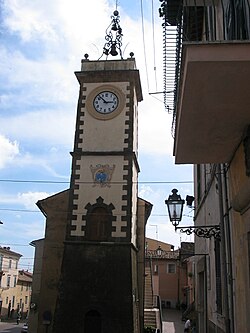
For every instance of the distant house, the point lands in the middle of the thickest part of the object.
(23, 291)
(15, 285)
(169, 271)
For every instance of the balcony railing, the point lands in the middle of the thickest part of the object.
(153, 254)
(197, 21)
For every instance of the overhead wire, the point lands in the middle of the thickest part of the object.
(90, 182)
(144, 44)
(75, 213)
(153, 35)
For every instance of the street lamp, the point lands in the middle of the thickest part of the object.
(175, 208)
(159, 251)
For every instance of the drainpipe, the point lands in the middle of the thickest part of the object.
(223, 250)
(229, 249)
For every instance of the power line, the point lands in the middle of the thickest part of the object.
(153, 31)
(20, 210)
(81, 182)
(144, 45)
(33, 181)
(8, 244)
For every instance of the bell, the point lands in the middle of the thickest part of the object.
(113, 51)
(106, 51)
(114, 27)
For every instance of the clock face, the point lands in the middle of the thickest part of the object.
(105, 102)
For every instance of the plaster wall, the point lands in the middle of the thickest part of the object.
(240, 193)
(56, 208)
(134, 205)
(87, 191)
(104, 135)
(208, 213)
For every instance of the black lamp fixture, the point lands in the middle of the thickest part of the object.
(159, 251)
(175, 209)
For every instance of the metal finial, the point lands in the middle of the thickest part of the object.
(86, 56)
(131, 54)
(113, 37)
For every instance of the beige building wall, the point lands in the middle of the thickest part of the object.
(36, 284)
(235, 266)
(23, 292)
(50, 250)
(169, 273)
(240, 194)
(15, 288)
(207, 213)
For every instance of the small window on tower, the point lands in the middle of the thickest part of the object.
(98, 225)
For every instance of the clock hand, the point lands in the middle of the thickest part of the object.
(103, 99)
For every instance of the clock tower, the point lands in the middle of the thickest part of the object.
(101, 280)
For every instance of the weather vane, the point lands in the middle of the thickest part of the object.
(113, 36)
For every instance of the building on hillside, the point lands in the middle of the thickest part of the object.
(15, 285)
(211, 118)
(169, 272)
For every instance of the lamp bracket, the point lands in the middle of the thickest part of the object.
(205, 231)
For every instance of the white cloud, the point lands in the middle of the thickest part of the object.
(46, 127)
(27, 20)
(66, 32)
(9, 150)
(63, 26)
(145, 190)
(29, 199)
(40, 81)
(155, 129)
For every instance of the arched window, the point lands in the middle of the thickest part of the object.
(98, 225)
(92, 322)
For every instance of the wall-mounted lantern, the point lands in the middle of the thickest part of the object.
(175, 208)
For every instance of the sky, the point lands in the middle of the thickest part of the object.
(42, 43)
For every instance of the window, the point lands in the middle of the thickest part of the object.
(171, 268)
(14, 280)
(13, 301)
(27, 287)
(98, 225)
(16, 264)
(7, 300)
(10, 263)
(8, 281)
(26, 300)
(155, 268)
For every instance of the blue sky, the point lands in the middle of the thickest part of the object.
(42, 44)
